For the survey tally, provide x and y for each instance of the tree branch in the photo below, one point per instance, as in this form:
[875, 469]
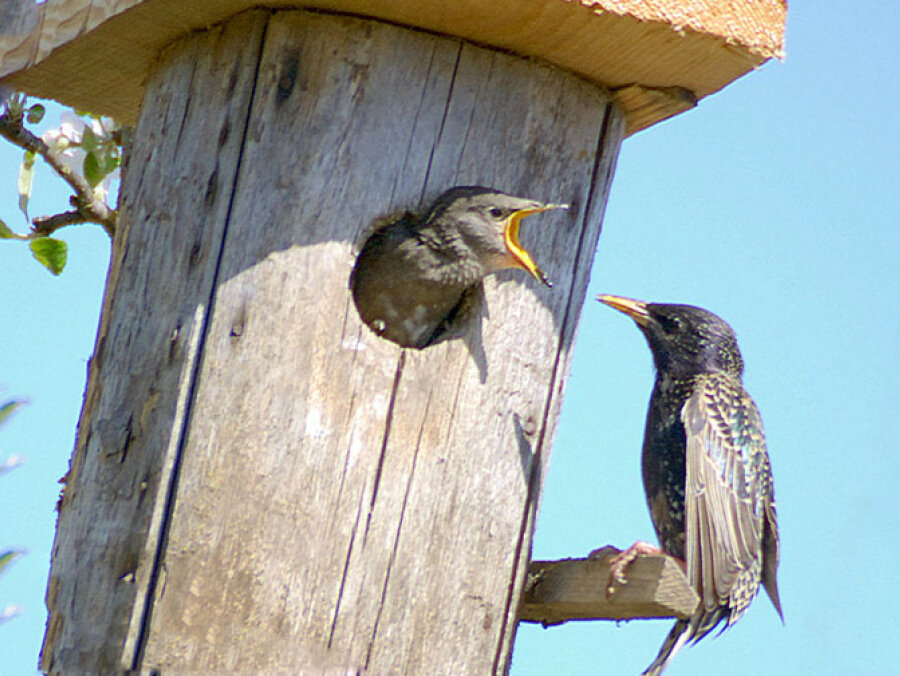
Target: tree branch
[91, 209]
[44, 226]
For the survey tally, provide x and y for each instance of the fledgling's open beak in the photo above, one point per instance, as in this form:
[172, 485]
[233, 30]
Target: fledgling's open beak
[636, 309]
[511, 238]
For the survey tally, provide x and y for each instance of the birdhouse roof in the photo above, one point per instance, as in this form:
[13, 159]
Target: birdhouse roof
[657, 57]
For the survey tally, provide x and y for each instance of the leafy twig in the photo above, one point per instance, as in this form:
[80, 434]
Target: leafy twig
[91, 208]
[45, 226]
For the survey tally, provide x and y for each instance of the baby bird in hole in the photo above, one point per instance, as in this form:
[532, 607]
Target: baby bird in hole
[416, 278]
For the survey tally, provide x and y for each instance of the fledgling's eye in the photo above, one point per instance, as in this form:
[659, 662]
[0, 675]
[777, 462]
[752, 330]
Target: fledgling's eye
[496, 212]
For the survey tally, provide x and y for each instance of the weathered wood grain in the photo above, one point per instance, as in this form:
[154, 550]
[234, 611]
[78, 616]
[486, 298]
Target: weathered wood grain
[174, 204]
[291, 406]
[532, 131]
[575, 589]
[96, 54]
[337, 502]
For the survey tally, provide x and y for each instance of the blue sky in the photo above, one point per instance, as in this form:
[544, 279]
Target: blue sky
[775, 204]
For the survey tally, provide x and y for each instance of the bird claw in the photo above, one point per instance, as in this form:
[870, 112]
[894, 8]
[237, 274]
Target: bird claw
[619, 561]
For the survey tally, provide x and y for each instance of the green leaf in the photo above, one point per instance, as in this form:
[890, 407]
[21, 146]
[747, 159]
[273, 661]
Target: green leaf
[89, 140]
[92, 171]
[8, 408]
[8, 233]
[5, 232]
[36, 113]
[111, 158]
[50, 252]
[26, 176]
[8, 557]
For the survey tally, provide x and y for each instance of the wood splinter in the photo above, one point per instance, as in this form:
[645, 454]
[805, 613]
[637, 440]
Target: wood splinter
[575, 589]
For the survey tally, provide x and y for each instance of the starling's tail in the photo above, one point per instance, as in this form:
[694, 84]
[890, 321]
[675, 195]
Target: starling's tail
[681, 633]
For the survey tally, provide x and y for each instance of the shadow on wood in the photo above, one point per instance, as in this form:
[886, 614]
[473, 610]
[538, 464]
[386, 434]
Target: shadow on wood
[575, 589]
[298, 494]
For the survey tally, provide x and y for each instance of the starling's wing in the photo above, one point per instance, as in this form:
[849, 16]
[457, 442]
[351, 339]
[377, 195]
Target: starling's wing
[770, 541]
[728, 499]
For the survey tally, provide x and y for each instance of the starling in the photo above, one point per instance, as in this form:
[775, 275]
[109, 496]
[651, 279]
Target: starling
[416, 278]
[705, 467]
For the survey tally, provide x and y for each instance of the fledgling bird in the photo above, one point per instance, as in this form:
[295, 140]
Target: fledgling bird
[705, 468]
[415, 278]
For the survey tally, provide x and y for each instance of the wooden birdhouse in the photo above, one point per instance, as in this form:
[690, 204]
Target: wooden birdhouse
[261, 482]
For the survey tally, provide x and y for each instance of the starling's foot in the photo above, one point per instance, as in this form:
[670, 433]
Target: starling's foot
[620, 560]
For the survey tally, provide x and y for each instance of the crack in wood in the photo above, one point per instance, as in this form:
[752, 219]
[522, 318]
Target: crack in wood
[340, 596]
[186, 111]
[187, 388]
[384, 440]
[347, 456]
[344, 325]
[459, 384]
[440, 133]
[387, 574]
[504, 648]
[263, 566]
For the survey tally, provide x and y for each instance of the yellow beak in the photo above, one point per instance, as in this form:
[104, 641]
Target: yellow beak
[511, 238]
[636, 309]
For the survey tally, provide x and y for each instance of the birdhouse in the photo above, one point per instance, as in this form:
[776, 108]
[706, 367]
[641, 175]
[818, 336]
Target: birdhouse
[261, 481]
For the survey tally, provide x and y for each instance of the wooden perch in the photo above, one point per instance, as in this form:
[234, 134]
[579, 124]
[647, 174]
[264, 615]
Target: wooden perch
[575, 589]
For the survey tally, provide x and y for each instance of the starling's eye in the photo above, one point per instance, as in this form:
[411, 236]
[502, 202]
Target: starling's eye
[496, 212]
[669, 324]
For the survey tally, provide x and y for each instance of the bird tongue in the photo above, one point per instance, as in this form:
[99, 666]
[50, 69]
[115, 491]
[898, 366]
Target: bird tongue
[511, 237]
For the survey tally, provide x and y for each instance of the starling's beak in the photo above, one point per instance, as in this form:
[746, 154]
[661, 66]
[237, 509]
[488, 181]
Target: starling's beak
[636, 309]
[511, 238]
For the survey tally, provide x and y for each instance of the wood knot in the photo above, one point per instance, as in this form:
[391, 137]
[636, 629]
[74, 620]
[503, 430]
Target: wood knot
[529, 426]
[288, 77]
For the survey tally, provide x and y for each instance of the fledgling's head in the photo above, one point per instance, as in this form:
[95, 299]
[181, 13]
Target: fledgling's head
[487, 222]
[685, 340]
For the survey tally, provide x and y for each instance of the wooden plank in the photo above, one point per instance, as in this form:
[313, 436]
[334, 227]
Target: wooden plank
[487, 431]
[343, 503]
[648, 105]
[96, 54]
[175, 195]
[576, 589]
[293, 394]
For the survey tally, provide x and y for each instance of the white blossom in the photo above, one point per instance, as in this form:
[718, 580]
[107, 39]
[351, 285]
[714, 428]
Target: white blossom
[66, 141]
[10, 612]
[11, 462]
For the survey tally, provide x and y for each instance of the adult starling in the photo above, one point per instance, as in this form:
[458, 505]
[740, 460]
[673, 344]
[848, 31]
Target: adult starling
[705, 468]
[416, 278]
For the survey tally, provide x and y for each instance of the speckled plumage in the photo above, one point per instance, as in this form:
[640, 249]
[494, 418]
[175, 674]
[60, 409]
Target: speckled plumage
[705, 468]
[416, 278]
